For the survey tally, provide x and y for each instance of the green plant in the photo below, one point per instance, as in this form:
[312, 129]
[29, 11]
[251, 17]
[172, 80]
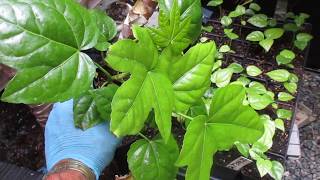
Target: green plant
[285, 57]
[302, 40]
[253, 70]
[159, 79]
[258, 20]
[42, 54]
[209, 133]
[265, 39]
[230, 34]
[226, 21]
[215, 3]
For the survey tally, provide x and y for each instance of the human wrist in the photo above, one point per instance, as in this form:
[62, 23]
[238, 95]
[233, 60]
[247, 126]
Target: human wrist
[65, 175]
[70, 167]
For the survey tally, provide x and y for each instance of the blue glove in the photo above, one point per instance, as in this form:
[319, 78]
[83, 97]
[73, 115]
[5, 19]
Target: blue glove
[94, 147]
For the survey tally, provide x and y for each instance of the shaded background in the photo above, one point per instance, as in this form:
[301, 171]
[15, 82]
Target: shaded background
[307, 6]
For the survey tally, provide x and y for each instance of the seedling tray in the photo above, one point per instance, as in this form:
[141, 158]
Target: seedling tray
[248, 53]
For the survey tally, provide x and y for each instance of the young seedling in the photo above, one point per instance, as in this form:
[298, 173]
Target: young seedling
[267, 38]
[302, 40]
[299, 20]
[215, 3]
[285, 57]
[226, 21]
[279, 75]
[258, 20]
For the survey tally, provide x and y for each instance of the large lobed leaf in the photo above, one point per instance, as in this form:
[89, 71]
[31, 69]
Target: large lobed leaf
[191, 20]
[146, 88]
[191, 75]
[152, 85]
[42, 39]
[229, 121]
[171, 32]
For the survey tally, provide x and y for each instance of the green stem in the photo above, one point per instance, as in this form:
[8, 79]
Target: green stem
[185, 116]
[120, 76]
[104, 71]
[144, 137]
[246, 2]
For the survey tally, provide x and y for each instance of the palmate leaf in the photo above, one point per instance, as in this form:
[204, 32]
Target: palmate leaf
[152, 86]
[153, 159]
[172, 31]
[146, 88]
[208, 134]
[42, 39]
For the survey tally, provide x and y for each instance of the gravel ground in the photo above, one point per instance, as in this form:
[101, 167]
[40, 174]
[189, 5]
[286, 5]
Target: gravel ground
[308, 166]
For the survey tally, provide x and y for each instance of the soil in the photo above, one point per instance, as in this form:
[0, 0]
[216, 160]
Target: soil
[117, 11]
[21, 137]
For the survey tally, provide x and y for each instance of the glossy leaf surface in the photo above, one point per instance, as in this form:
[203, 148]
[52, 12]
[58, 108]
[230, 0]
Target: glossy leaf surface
[277, 170]
[153, 160]
[236, 67]
[284, 114]
[85, 111]
[253, 70]
[103, 98]
[265, 142]
[285, 57]
[273, 33]
[172, 31]
[146, 88]
[283, 96]
[152, 85]
[188, 9]
[209, 134]
[258, 20]
[191, 75]
[279, 124]
[239, 11]
[43, 40]
[93, 107]
[258, 101]
[222, 77]
[291, 87]
[266, 44]
[279, 75]
[226, 20]
[107, 28]
[255, 36]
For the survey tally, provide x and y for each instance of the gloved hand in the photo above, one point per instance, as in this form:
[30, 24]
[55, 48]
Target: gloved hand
[94, 147]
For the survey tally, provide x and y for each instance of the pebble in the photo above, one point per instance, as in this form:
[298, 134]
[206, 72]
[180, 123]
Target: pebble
[308, 166]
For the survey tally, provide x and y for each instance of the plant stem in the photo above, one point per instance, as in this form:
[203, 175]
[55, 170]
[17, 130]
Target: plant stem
[104, 71]
[102, 55]
[246, 2]
[144, 137]
[120, 76]
[185, 116]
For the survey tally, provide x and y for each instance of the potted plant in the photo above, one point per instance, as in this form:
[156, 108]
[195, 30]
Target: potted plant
[160, 77]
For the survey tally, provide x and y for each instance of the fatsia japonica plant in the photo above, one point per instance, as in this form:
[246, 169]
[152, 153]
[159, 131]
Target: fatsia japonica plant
[169, 74]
